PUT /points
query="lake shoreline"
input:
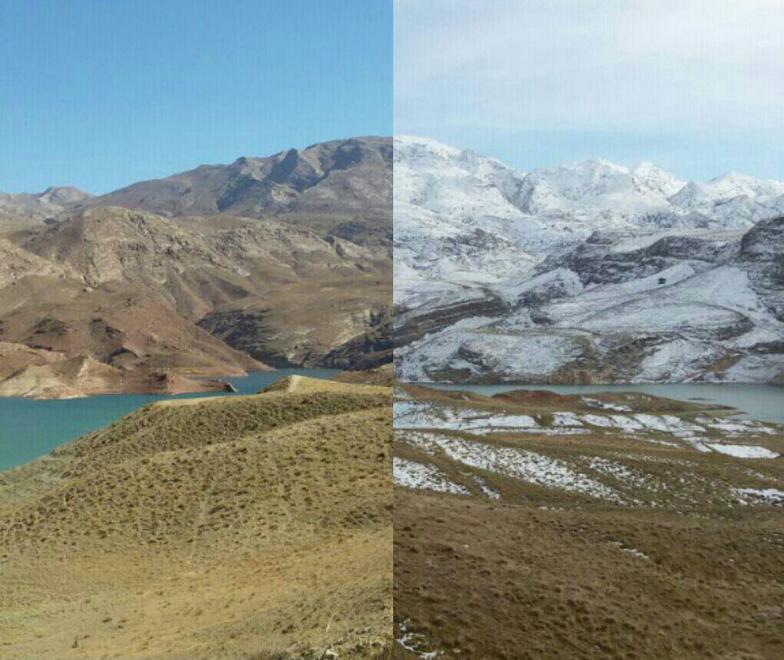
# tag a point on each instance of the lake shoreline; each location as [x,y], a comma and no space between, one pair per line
[36,387]
[31,428]
[763,403]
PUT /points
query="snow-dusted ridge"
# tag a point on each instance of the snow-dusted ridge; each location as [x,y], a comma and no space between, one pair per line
[586,271]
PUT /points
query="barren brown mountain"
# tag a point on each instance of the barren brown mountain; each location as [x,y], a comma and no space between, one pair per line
[331,180]
[164,281]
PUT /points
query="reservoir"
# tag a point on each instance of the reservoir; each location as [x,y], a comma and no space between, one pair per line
[764,403]
[30,428]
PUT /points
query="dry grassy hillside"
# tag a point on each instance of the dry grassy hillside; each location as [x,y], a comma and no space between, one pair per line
[237,527]
[534,525]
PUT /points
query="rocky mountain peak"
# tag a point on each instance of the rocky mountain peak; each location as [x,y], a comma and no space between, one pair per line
[339,176]
[62,195]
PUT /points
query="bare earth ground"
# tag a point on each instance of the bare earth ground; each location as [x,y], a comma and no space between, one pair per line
[239,527]
[519,536]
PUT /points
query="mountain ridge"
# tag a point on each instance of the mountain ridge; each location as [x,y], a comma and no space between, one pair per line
[526,283]
[304,277]
[253,186]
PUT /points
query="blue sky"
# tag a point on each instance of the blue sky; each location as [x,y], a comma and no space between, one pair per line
[692,85]
[100,94]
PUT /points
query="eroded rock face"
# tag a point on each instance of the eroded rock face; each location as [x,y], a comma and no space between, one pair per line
[370,349]
[599,261]
[762,254]
[628,275]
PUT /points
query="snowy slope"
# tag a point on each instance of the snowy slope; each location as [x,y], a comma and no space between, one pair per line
[452,210]
[584,272]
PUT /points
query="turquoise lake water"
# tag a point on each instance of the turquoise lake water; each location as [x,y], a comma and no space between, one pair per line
[30,428]
[764,403]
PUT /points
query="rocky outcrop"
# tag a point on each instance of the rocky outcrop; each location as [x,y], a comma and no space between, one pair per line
[368,350]
[599,261]
[26,210]
[762,256]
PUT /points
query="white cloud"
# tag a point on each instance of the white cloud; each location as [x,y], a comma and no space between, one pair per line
[710,66]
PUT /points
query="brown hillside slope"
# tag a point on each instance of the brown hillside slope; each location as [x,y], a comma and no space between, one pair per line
[206,296]
[382,375]
[233,528]
[618,525]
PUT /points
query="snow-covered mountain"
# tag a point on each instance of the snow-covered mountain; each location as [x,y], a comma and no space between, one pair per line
[584,272]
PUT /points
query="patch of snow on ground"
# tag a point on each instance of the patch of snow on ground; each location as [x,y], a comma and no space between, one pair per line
[743,451]
[566,419]
[669,424]
[413,642]
[627,423]
[760,495]
[517,463]
[631,551]
[411,474]
[489,492]
[598,420]
[595,403]
[741,427]
[424,415]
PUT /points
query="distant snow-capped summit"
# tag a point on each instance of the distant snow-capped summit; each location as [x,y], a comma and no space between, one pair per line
[596,192]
